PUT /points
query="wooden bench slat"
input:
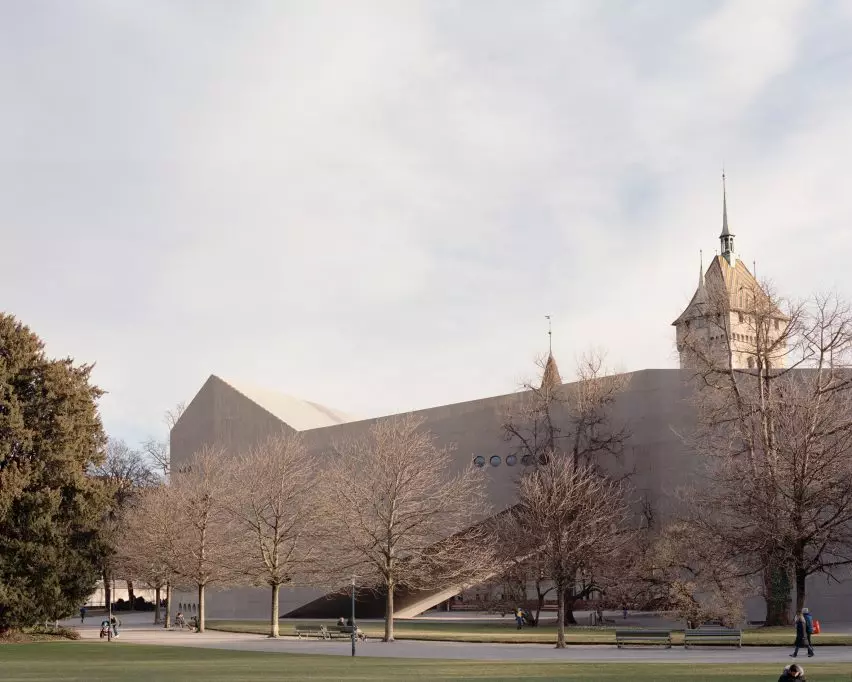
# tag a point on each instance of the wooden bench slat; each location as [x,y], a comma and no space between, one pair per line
[718,636]
[626,637]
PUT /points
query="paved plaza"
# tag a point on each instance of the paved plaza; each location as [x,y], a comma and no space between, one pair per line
[137,628]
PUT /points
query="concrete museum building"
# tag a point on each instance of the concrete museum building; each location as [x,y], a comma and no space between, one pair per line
[655,407]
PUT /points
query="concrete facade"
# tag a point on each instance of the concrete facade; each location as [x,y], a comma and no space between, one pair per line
[655,407]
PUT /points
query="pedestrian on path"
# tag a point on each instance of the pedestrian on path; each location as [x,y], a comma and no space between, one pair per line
[809,627]
[802,636]
[793,673]
[519,618]
[82,614]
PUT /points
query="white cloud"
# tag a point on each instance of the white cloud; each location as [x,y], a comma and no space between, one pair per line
[374,205]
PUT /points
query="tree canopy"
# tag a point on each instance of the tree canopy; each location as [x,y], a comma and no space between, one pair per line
[50,437]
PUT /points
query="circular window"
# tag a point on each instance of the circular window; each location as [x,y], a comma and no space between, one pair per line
[495,460]
[479,461]
[511,460]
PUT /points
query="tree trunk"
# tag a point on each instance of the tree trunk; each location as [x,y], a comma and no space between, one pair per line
[131,594]
[273,626]
[538,607]
[168,622]
[201,608]
[560,617]
[157,618]
[776,584]
[569,618]
[107,592]
[801,588]
[389,614]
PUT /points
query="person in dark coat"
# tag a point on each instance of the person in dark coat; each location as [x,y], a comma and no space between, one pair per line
[793,673]
[802,636]
[809,627]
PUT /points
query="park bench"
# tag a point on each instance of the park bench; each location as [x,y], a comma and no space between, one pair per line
[308,630]
[713,637]
[344,632]
[641,637]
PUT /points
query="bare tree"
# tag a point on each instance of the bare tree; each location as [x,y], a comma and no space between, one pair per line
[398,518]
[571,517]
[158,449]
[272,497]
[206,546]
[124,473]
[147,545]
[574,421]
[775,429]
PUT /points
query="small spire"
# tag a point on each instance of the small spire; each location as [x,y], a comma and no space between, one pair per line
[551,377]
[701,269]
[725,231]
[726,238]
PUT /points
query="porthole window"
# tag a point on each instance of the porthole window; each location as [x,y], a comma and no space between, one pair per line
[479,461]
[495,460]
[511,460]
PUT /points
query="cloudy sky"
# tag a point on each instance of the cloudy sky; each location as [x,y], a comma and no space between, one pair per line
[373,205]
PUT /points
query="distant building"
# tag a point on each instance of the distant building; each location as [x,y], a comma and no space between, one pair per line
[720,320]
[655,405]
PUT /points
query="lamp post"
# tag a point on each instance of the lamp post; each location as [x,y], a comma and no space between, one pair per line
[109,608]
[354,627]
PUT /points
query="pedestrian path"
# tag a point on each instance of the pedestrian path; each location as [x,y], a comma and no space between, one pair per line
[140,631]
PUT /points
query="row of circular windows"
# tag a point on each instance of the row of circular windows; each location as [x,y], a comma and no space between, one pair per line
[496,460]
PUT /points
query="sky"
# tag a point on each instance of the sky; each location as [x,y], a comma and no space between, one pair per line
[374,205]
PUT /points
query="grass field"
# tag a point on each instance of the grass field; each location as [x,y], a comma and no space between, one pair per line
[101,662]
[470,631]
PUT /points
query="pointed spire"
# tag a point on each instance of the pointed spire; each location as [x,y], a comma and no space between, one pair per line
[551,377]
[701,292]
[725,231]
[726,238]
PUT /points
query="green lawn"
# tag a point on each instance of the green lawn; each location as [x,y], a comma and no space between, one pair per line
[472,631]
[99,661]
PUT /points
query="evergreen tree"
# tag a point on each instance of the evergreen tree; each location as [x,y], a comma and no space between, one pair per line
[50,437]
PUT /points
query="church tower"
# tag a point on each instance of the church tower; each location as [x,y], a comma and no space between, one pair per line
[723,324]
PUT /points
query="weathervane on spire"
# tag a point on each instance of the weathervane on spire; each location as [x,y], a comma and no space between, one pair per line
[549,335]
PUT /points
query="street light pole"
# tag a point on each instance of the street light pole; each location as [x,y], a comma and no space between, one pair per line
[354,627]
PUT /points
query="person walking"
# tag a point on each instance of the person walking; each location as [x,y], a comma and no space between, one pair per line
[801,636]
[793,673]
[519,618]
[115,622]
[809,628]
[82,614]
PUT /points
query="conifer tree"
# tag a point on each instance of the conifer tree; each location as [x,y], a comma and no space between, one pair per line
[50,437]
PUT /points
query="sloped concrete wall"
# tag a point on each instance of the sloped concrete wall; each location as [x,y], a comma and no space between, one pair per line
[655,407]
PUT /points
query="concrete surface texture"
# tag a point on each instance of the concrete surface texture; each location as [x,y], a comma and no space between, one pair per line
[655,407]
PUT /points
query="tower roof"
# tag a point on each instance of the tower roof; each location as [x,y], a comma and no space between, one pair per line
[551,377]
[721,279]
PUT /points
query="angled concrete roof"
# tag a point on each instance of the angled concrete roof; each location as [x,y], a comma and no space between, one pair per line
[301,415]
